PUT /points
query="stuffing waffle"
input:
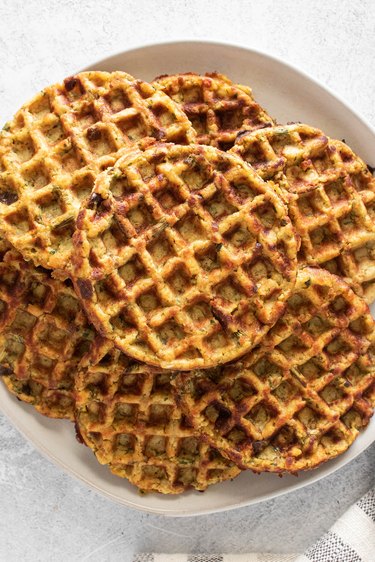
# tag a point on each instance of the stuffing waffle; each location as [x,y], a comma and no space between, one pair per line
[217,108]
[302,397]
[183,222]
[331,197]
[43,335]
[126,413]
[183,257]
[52,150]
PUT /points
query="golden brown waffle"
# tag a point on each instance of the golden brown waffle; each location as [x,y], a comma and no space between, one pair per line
[127,414]
[184,256]
[43,335]
[217,108]
[302,396]
[331,197]
[55,146]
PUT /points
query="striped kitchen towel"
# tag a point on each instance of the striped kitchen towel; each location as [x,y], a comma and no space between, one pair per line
[351,539]
[216,558]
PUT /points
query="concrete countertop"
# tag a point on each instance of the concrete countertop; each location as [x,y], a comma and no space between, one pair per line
[44,513]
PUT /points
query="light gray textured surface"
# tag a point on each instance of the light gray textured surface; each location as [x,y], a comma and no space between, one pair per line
[45,514]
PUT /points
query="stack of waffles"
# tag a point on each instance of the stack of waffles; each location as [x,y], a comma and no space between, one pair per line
[186,279]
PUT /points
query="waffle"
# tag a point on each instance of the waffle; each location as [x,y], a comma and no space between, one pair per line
[217,108]
[52,150]
[43,334]
[331,197]
[301,397]
[127,414]
[184,256]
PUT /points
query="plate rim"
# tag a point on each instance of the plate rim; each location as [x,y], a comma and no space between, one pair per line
[272,57]
[322,471]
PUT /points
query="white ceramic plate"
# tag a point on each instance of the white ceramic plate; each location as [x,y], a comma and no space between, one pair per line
[289,95]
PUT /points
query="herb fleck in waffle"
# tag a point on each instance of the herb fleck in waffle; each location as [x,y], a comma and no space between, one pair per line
[303,395]
[184,256]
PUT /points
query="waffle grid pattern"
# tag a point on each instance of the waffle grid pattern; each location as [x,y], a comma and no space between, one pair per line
[331,197]
[43,335]
[303,395]
[127,414]
[181,221]
[52,151]
[217,108]
[193,254]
